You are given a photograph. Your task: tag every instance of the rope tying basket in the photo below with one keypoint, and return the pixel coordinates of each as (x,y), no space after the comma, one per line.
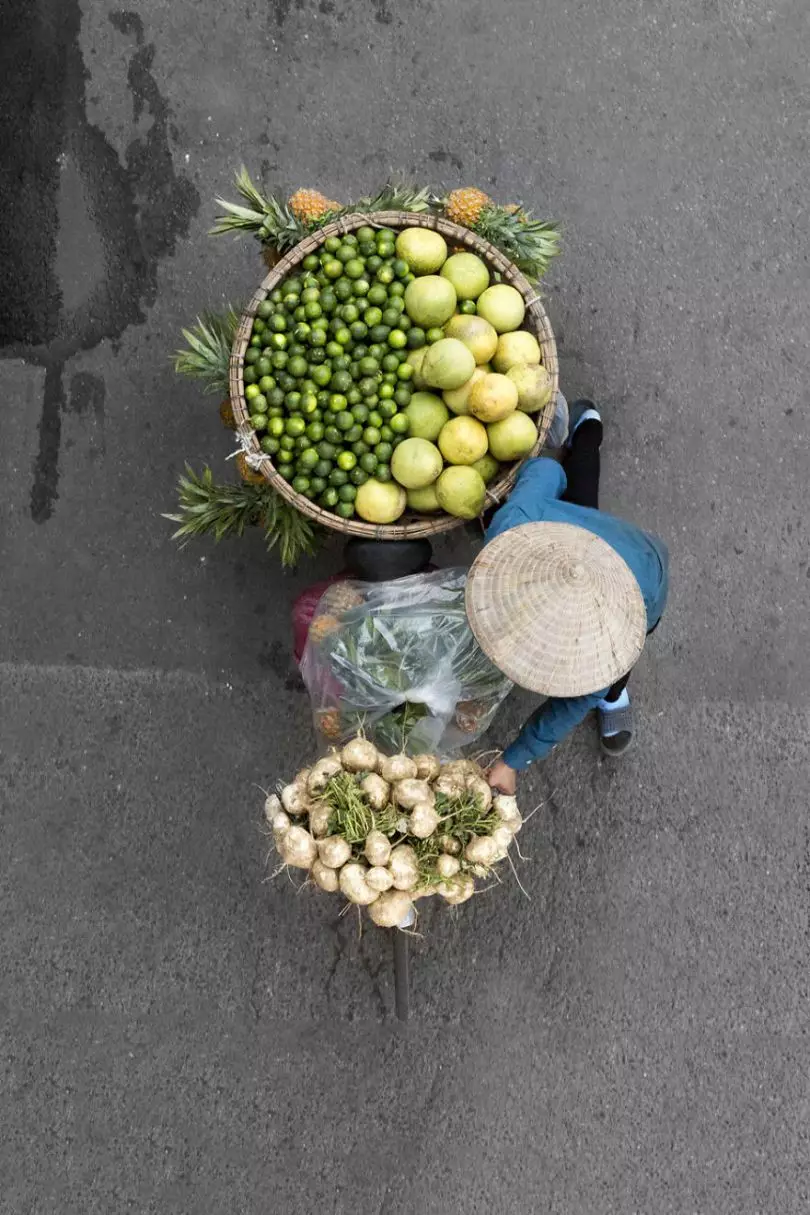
(411,525)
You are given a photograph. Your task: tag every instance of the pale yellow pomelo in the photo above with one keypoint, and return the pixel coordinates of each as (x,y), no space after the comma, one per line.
(463,440)
(423,500)
(448,364)
(430,301)
(493,397)
(534,386)
(476,333)
(513,437)
(416,463)
(380,501)
(488,467)
(423,250)
(502,306)
(461,492)
(427,414)
(468,274)
(517,347)
(416,358)
(458,399)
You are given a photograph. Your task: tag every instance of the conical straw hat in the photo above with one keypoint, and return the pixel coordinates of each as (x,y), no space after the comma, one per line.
(556,609)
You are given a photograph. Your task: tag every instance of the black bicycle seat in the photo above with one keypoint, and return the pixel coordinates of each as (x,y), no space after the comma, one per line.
(383,560)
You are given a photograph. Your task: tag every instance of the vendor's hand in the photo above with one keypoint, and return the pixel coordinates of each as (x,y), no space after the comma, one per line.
(503,778)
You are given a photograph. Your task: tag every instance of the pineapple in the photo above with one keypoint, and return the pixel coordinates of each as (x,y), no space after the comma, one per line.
(322,626)
(329,723)
(208,352)
(309,205)
(341,597)
(465,206)
(250,475)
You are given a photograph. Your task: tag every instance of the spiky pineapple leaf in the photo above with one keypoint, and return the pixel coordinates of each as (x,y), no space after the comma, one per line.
(218,509)
(208,349)
(528,242)
(266,217)
(395,196)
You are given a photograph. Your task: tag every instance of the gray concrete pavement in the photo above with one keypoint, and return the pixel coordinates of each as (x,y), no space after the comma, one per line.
(179,1036)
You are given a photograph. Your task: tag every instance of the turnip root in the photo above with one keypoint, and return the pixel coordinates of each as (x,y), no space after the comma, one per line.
(354,885)
(321,774)
(297,848)
(324,877)
(319,815)
(457,889)
(376,790)
(480,789)
(409,793)
(294,799)
(427,767)
(334,851)
(281,825)
(448,866)
(377,848)
(360,755)
(502,838)
(423,892)
(461,767)
(423,821)
(449,845)
(481,850)
(402,825)
(272,807)
(391,908)
(397,767)
(379,878)
(507,811)
(403,867)
(450,784)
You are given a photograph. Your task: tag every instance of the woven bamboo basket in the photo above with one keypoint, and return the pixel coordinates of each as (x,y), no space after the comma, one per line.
(410,525)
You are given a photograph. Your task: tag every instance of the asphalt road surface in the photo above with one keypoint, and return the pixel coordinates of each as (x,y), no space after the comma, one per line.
(180,1036)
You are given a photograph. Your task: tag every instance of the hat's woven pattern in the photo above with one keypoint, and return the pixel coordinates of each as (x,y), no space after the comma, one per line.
(556,609)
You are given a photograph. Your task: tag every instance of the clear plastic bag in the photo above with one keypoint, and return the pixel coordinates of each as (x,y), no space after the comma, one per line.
(399,661)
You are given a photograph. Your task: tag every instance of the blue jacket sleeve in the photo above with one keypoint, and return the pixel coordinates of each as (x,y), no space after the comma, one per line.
(548,726)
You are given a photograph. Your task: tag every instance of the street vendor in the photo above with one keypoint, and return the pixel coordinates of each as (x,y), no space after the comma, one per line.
(562,597)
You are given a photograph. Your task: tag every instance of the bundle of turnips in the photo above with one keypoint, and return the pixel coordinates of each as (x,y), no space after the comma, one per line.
(385,831)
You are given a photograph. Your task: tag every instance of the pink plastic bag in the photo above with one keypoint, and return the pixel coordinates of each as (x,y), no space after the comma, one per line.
(304,609)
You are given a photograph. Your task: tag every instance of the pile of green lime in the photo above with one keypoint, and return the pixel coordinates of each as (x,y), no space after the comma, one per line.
(326,373)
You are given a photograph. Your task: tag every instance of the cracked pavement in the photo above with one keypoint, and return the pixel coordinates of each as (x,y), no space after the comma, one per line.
(180,1035)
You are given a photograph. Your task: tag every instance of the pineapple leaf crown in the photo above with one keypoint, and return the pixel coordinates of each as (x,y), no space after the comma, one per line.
(207,353)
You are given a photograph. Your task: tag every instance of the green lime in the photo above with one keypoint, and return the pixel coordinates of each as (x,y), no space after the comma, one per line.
(343,337)
(253,355)
(385,274)
(402,395)
(283,457)
(309,404)
(373,263)
(371,435)
(312,310)
(383,472)
(346,253)
(318,339)
(258,421)
(372,317)
(353,267)
(249,375)
(379,333)
(369,366)
(269,445)
(390,317)
(386,433)
(321,375)
(354,396)
(397,339)
(434,335)
(323,468)
(300,313)
(377,351)
(275,398)
(334,350)
(300,484)
(333,268)
(257,339)
(346,460)
(386,248)
(405,323)
(308,458)
(343,288)
(400,423)
(267,383)
(350,313)
(338,477)
(386,408)
(285,382)
(360,287)
(328,301)
(276,296)
(405,372)
(383,452)
(329,498)
(332,435)
(360,413)
(326,450)
(365,233)
(368,462)
(341,381)
(286,443)
(295,426)
(347,493)
(294,350)
(293,401)
(337,402)
(396,289)
(276,427)
(259,404)
(358,330)
(263,366)
(378,295)
(302,443)
(316,486)
(278,322)
(375,418)
(279,359)
(345,510)
(298,367)
(265,309)
(331,244)
(353,434)
(344,420)
(310,294)
(311,262)
(252,390)
(401,267)
(315,431)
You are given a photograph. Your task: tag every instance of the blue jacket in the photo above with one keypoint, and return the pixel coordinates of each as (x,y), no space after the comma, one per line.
(536,499)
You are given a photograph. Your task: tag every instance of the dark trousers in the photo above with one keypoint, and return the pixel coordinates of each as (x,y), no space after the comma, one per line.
(582,470)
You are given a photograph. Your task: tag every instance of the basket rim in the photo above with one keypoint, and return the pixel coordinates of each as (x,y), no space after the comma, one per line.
(411,525)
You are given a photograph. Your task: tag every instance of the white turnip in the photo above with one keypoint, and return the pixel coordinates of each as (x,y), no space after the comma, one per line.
(457,889)
(324,877)
(480,789)
(481,850)
(360,755)
(379,878)
(319,816)
(502,838)
(294,799)
(397,767)
(297,848)
(448,866)
(391,908)
(376,791)
(507,811)
(449,845)
(427,767)
(321,774)
(423,820)
(272,806)
(403,867)
(354,885)
(334,851)
(409,793)
(377,848)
